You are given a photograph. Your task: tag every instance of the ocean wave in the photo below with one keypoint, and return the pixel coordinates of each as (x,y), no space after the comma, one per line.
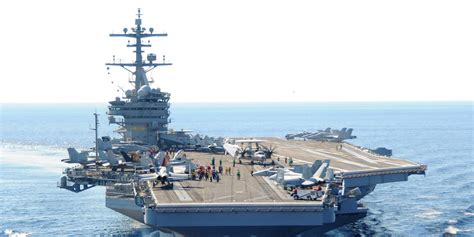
(467,219)
(454,231)
(14,233)
(429,197)
(469,211)
(429,213)
(451,230)
(461,226)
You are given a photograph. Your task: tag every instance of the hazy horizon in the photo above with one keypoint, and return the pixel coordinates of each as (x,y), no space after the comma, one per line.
(258,102)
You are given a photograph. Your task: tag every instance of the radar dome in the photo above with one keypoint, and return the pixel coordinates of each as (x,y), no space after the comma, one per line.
(144,91)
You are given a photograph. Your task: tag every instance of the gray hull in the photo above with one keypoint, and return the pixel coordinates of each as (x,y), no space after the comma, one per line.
(248,219)
(250,223)
(125,206)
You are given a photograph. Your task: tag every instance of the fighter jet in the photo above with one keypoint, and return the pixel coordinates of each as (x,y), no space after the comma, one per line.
(266,172)
(164,176)
(109,159)
(82,158)
(106,143)
(180,161)
(307,177)
(295,135)
(324,135)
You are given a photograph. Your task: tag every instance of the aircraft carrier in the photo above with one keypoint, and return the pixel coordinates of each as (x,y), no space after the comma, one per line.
(202,186)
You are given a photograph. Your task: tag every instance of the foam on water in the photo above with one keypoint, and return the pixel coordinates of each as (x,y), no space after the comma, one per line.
(13,233)
(31,202)
(429,213)
(46,158)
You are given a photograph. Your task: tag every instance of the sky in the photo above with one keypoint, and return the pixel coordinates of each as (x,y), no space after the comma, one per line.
(242,51)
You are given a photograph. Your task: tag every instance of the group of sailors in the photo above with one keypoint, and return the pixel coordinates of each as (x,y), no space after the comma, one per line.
(212,173)
(206,173)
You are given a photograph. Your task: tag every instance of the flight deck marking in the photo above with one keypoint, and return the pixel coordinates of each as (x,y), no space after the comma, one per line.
(366,158)
(258,187)
(360,156)
(339,159)
(181,193)
(256,198)
(392,163)
(310,163)
(276,190)
(307,162)
(220,198)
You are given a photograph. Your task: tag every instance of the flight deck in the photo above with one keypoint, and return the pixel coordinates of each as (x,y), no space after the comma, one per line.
(229,189)
(345,158)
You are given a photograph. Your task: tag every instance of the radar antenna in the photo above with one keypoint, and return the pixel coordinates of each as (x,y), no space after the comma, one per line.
(138,33)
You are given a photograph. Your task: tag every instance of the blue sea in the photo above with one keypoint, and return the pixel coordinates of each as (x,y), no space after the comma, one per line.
(440,134)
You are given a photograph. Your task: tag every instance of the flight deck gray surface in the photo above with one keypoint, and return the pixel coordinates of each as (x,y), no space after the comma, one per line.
(261,189)
(228,190)
(350,158)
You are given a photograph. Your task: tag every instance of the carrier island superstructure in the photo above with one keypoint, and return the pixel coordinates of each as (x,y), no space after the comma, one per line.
(160,177)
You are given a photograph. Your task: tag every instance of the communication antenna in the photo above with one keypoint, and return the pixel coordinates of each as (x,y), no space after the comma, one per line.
(96,129)
(138,68)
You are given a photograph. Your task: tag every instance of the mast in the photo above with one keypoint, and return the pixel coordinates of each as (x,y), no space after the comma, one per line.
(96,130)
(144,111)
(138,33)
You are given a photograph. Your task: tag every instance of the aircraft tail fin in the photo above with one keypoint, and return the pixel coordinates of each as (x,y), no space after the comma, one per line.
(103,155)
(343,132)
(72,153)
(112,158)
(306,174)
(321,172)
(76,157)
(279,176)
(315,166)
(349,133)
(104,144)
(220,141)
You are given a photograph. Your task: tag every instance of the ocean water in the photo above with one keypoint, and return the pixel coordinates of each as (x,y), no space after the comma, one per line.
(440,134)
